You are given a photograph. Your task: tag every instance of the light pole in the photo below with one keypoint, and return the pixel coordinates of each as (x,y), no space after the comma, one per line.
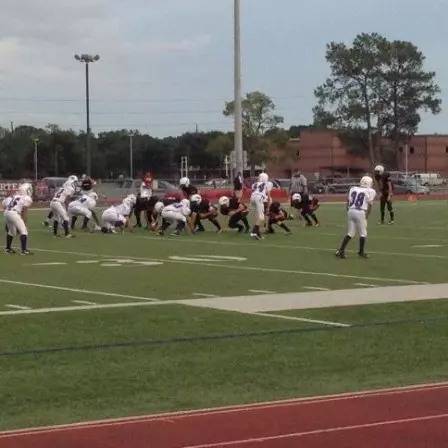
(36,149)
(131,155)
(238,91)
(87,59)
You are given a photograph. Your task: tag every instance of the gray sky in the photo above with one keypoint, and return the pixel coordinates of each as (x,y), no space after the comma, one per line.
(166,65)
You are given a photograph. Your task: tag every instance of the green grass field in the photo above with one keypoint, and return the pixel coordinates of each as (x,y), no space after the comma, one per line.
(95,327)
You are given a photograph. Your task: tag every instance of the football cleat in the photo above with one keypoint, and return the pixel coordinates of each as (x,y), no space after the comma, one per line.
(10,251)
(340,254)
(26,252)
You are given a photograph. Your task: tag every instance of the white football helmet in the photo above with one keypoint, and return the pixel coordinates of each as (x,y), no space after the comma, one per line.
(93,195)
(379,169)
(366,182)
(131,198)
(263,177)
(159,207)
(196,198)
(296,197)
(184,181)
(185,203)
(26,189)
(223,201)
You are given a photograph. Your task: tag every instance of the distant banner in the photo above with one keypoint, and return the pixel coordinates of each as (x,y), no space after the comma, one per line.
(40,189)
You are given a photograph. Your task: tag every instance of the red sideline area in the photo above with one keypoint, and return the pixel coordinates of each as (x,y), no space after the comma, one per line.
(407,417)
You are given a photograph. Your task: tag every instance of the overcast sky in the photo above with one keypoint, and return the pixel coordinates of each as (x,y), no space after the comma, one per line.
(166,65)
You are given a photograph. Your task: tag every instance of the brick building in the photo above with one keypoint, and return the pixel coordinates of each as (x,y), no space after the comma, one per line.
(323,152)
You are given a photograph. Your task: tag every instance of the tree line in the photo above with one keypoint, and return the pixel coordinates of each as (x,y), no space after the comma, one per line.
(376,89)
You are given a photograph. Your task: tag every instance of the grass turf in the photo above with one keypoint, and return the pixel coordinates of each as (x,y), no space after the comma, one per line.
(60,387)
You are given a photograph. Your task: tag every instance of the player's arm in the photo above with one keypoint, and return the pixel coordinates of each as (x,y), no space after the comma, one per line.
(389,189)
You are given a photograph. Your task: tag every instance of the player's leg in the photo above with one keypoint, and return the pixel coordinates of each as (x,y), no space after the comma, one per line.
(259,217)
(234,222)
(10,233)
(382,209)
(351,230)
(390,209)
(362,228)
(23,232)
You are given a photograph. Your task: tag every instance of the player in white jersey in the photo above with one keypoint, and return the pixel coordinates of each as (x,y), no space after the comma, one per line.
(16,217)
(261,195)
(84,206)
(58,206)
(178,213)
(359,206)
(118,216)
(72,180)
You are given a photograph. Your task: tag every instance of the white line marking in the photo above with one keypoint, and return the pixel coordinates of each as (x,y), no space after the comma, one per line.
(248,268)
(82,291)
(200,294)
(304,401)
(315,288)
(88,262)
(110,264)
(261,291)
(301,319)
(56,263)
(284,246)
(84,302)
(319,431)
(80,308)
(423,246)
(367,285)
(18,307)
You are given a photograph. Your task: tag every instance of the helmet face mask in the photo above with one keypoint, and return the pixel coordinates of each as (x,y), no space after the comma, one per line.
(185,182)
(196,198)
(223,201)
(379,169)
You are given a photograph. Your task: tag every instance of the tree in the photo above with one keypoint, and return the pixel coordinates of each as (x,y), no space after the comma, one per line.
(258,118)
(376,88)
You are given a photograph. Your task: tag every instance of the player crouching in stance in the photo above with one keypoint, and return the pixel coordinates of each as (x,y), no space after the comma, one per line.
(277,215)
(359,206)
(16,217)
(58,206)
(118,216)
(178,213)
(261,194)
(234,211)
(85,207)
(307,206)
(202,209)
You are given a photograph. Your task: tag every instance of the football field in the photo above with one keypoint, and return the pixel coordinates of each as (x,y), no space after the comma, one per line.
(106,326)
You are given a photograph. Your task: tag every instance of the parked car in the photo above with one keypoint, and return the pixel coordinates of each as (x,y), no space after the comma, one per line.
(409,185)
(430,179)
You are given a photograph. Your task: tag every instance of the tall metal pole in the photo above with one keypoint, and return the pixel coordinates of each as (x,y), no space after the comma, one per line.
(36,148)
(406,156)
(89,158)
(238,91)
(131,157)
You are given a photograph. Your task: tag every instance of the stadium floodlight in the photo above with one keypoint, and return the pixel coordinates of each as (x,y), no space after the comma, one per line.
(87,59)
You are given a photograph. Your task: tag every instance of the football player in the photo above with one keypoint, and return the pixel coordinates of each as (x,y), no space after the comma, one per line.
(384,183)
(58,206)
(84,206)
(142,204)
(307,206)
(359,206)
(178,213)
(234,211)
(277,215)
(202,209)
(187,189)
(16,218)
(261,194)
(118,216)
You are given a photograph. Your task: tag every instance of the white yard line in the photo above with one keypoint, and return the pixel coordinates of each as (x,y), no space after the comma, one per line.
(80,308)
(260,291)
(18,307)
(82,291)
(301,319)
(56,263)
(367,285)
(245,268)
(265,244)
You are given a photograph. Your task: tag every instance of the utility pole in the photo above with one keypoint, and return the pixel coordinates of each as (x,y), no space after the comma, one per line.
(238,89)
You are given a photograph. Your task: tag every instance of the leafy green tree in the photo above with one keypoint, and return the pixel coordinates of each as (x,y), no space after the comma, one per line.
(376,88)
(258,116)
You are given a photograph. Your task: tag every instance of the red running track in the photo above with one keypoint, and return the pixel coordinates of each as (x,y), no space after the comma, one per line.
(408,417)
